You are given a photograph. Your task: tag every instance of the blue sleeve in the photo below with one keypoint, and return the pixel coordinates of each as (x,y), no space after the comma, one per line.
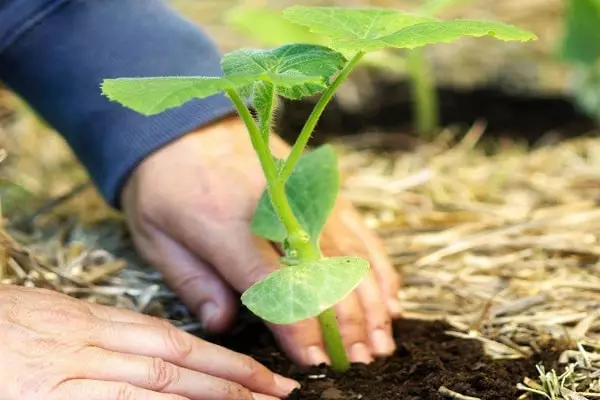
(55,53)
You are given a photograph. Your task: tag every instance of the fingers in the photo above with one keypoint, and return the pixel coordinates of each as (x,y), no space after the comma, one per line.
(345,234)
(243,260)
(86,389)
(184,350)
(387,277)
(157,375)
(378,320)
(302,342)
(194,282)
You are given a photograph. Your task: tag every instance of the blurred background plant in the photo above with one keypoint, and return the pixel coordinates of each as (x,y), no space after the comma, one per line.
(580,48)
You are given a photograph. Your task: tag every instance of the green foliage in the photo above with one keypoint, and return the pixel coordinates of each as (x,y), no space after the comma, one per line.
(581,41)
(352,28)
(151,96)
(366,30)
(586,89)
(292,60)
(580,47)
(312,189)
(293,71)
(305,290)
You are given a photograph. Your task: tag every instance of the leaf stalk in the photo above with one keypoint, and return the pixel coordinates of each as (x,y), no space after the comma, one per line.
(311,122)
(298,238)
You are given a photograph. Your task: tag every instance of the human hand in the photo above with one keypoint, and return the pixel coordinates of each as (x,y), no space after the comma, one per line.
(55,347)
(189,207)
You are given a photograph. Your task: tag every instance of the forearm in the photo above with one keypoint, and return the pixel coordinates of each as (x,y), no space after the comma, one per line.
(55,53)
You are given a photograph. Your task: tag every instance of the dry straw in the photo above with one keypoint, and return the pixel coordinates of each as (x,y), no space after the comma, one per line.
(505,247)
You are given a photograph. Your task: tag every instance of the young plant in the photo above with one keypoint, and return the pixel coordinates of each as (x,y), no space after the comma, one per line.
(302,189)
(275,30)
(580,48)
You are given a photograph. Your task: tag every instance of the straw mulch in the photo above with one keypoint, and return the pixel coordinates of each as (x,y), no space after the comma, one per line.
(503,246)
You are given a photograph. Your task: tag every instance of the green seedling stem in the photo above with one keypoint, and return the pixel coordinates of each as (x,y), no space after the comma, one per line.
(298,238)
(311,122)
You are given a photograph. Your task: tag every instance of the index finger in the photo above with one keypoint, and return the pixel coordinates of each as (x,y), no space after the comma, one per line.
(180,348)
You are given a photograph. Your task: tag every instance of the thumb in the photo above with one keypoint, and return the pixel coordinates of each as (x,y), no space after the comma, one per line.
(193,280)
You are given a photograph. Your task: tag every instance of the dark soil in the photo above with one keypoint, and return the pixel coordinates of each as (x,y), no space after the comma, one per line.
(425,360)
(507,115)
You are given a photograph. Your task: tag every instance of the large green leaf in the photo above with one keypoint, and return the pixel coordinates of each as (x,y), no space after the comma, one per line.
(373,29)
(312,189)
(347,24)
(154,95)
(293,294)
(293,60)
(581,41)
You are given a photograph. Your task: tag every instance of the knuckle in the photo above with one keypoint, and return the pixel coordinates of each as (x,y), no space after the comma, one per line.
(162,374)
(249,368)
(125,391)
(39,378)
(179,345)
(197,279)
(233,391)
(61,314)
(353,327)
(257,269)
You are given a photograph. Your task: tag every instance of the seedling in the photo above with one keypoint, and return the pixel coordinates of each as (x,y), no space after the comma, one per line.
(580,48)
(274,30)
(302,189)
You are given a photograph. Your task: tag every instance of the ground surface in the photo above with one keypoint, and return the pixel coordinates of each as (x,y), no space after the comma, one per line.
(427,359)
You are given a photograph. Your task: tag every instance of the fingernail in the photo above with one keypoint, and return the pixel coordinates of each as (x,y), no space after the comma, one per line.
(359,352)
(258,396)
(395,307)
(286,385)
(382,342)
(316,356)
(208,312)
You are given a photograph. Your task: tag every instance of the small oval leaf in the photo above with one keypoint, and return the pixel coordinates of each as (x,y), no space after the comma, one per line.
(302,291)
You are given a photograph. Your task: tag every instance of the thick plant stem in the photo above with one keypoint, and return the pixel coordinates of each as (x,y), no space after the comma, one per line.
(425,102)
(333,341)
(298,237)
(312,120)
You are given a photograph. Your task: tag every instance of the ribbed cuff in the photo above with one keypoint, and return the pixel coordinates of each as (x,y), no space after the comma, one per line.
(57,55)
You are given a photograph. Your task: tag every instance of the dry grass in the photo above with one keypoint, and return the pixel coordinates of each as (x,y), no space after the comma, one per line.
(505,247)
